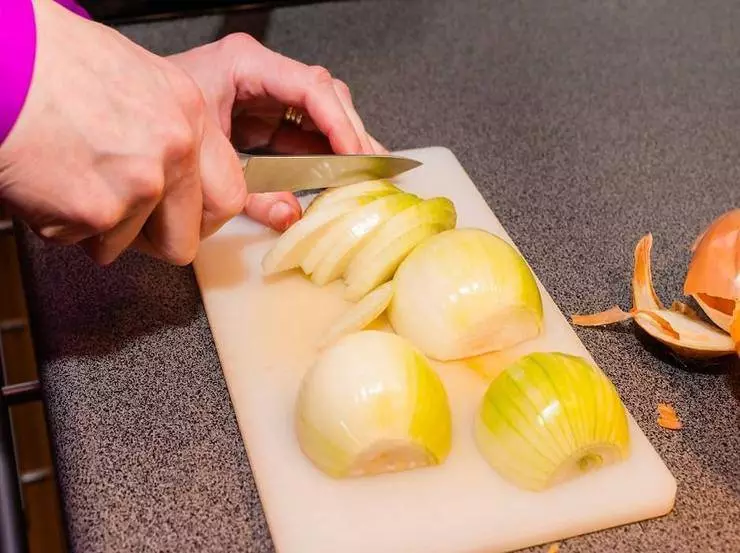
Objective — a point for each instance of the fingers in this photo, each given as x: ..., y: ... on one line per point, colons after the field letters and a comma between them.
x: 224, y: 189
x: 345, y: 98
x: 277, y: 210
x: 259, y: 71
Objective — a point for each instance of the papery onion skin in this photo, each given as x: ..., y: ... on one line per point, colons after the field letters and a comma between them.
x: 465, y: 292
x: 549, y: 417
x: 715, y: 264
x: 372, y: 404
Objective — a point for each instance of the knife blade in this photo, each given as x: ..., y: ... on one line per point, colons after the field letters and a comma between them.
x: 282, y: 173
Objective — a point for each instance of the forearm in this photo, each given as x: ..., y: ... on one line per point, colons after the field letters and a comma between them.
x: 17, y: 57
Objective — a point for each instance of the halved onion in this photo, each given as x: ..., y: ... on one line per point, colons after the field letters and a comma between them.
x: 331, y: 254
x: 465, y: 292
x: 294, y: 244
x: 377, y: 188
x: 549, y: 418
x: 361, y: 314
x: 372, y: 404
x: 379, y: 258
x: 679, y: 328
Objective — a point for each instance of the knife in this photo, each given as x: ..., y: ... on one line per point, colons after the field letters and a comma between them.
x: 279, y: 173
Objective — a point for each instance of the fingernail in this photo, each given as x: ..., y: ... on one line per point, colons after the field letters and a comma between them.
x: 280, y: 216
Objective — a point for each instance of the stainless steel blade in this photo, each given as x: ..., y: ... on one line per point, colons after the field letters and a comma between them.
x: 278, y: 173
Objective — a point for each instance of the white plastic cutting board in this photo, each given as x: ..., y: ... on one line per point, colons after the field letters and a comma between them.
x: 267, y: 332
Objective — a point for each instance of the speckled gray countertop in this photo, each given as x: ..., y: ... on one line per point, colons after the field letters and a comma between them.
x: 585, y: 124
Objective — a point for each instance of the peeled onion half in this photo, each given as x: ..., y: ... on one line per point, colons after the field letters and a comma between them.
x: 548, y: 418
x: 372, y: 404
x: 465, y: 292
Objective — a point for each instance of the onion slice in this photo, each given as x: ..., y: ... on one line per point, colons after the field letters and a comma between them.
x: 548, y: 418
x: 334, y: 248
x: 376, y: 188
x: 378, y: 260
x: 361, y: 314
x: 295, y: 243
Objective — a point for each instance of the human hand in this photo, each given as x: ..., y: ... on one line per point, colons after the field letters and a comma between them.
x: 108, y: 151
x: 247, y: 89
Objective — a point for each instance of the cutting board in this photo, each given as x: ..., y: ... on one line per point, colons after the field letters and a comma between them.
x: 267, y: 333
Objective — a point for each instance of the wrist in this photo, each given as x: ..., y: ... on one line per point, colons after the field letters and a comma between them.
x: 17, y: 58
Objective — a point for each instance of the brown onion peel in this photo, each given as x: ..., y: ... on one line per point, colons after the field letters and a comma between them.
x: 679, y: 327
x: 610, y: 316
x: 735, y: 327
x: 715, y: 265
x: 643, y: 292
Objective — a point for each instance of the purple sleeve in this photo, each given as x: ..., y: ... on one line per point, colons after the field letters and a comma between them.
x: 17, y: 56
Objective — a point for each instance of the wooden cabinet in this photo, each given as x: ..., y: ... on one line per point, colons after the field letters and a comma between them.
x: 39, y: 496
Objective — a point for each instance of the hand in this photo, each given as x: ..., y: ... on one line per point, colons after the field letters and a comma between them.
x: 109, y: 149
x: 247, y: 89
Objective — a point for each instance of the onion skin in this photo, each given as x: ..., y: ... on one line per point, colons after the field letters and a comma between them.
x: 548, y: 418
x: 465, y: 292
x: 715, y: 265
x: 372, y: 404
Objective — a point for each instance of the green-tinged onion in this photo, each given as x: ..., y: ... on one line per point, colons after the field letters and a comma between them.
x: 362, y: 313
x: 465, y: 292
x: 372, y: 404
x: 295, y: 243
x: 379, y: 258
x: 330, y: 255
x: 377, y: 188
x: 548, y: 418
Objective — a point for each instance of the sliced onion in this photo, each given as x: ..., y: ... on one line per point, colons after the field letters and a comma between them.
x: 378, y: 260
x: 361, y: 314
x: 465, y: 292
x: 295, y: 243
x: 376, y: 188
x: 549, y: 418
x: 372, y: 404
x: 333, y: 251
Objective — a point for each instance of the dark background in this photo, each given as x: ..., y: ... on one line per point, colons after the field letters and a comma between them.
x: 133, y: 10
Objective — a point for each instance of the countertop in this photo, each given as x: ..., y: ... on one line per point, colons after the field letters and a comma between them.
x: 585, y: 124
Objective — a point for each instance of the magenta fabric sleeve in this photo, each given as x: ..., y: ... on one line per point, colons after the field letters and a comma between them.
x: 17, y: 54
x: 73, y: 6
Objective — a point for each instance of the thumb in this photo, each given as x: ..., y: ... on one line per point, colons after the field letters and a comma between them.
x: 224, y: 190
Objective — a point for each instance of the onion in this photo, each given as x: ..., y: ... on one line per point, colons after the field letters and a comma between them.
x: 376, y: 188
x: 377, y: 261
x: 713, y: 278
x: 295, y: 243
x: 331, y: 254
x: 372, y: 404
x: 465, y: 292
x: 548, y: 418
x: 361, y: 314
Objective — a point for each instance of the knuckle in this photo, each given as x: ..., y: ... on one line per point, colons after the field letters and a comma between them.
x: 342, y: 88
x: 320, y: 75
x: 102, y: 215
x: 148, y: 183
x: 180, y: 139
x: 238, y: 42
